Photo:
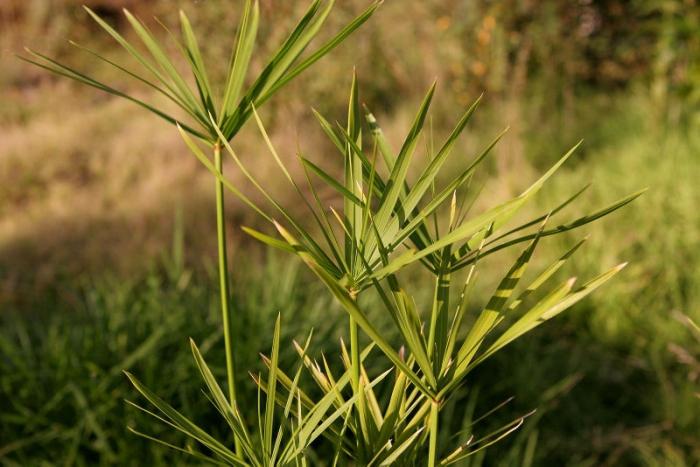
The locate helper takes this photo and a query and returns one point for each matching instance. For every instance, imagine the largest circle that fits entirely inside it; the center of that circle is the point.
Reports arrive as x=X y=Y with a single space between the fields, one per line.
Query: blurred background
x=106 y=221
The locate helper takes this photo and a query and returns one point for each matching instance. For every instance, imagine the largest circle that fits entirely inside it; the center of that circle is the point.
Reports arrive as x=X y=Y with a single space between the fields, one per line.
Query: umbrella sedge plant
x=387 y=224
x=212 y=119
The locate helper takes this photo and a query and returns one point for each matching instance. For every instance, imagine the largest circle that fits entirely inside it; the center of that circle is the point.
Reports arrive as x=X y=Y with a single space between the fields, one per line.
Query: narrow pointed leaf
x=247 y=32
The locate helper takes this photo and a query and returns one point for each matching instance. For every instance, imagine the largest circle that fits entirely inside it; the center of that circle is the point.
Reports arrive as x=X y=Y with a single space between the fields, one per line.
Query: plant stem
x=437 y=333
x=224 y=289
x=354 y=354
x=354 y=349
x=433 y=428
x=355 y=376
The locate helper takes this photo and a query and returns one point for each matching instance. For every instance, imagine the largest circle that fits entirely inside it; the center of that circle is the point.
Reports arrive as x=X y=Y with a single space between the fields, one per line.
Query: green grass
x=62 y=362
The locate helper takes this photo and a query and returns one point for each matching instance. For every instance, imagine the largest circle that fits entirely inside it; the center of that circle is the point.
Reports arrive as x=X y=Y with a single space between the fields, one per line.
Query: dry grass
x=79 y=171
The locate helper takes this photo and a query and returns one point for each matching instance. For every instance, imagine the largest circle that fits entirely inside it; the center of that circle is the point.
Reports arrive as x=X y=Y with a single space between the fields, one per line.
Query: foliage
x=382 y=213
x=216 y=121
x=370 y=310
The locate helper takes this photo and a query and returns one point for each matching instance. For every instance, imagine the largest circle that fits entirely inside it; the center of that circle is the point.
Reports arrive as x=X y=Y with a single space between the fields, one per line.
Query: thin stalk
x=354 y=348
x=355 y=374
x=433 y=433
x=355 y=370
x=437 y=334
x=354 y=354
x=224 y=284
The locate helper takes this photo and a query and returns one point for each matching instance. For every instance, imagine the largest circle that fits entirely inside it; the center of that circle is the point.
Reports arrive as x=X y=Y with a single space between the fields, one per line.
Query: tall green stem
x=355 y=374
x=433 y=433
x=437 y=333
x=224 y=283
x=354 y=354
x=354 y=350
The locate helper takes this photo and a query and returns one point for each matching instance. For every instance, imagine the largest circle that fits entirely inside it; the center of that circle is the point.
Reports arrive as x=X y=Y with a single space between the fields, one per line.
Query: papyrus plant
x=212 y=119
x=387 y=224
